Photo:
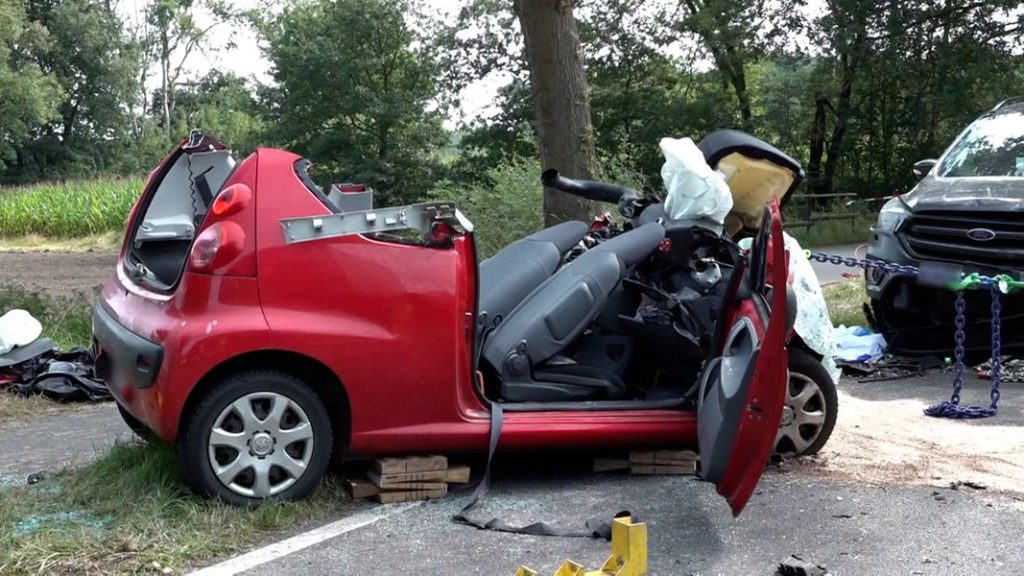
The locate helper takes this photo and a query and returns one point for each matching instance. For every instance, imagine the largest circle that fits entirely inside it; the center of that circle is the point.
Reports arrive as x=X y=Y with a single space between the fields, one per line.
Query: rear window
x=992 y=146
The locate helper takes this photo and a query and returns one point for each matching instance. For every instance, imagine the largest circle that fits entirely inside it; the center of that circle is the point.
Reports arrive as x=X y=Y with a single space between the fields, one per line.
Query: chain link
x=998 y=285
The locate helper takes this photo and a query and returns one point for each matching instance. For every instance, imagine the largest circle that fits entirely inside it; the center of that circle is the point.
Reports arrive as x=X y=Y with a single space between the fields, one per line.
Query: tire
x=257 y=435
x=811 y=397
x=140 y=429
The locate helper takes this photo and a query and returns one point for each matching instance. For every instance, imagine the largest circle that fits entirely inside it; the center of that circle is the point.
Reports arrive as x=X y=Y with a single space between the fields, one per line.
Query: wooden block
x=406 y=496
x=409 y=464
x=641 y=457
x=673 y=469
x=458 y=474
x=386 y=480
x=361 y=488
x=610 y=464
x=381 y=486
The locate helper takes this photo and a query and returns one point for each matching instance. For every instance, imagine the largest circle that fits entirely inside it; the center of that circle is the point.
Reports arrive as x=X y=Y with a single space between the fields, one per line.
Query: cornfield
x=68 y=210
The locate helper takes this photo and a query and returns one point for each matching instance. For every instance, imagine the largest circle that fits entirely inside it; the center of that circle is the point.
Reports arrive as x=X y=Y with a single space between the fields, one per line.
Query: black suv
x=965 y=215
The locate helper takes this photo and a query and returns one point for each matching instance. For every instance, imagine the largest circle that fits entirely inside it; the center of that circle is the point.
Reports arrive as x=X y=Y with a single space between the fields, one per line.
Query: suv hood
x=990 y=194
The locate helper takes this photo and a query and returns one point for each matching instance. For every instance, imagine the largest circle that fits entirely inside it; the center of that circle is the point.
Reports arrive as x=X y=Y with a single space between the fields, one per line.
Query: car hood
x=990 y=194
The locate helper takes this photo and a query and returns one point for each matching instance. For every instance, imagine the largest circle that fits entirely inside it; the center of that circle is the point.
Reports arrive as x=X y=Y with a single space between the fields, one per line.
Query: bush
x=504 y=206
x=68 y=210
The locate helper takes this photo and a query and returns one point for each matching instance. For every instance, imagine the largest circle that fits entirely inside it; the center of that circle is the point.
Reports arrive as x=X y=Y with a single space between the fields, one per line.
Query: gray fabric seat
x=510 y=275
x=556 y=314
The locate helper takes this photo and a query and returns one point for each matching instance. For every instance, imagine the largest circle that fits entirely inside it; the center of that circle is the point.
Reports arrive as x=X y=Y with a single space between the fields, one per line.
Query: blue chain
x=950 y=408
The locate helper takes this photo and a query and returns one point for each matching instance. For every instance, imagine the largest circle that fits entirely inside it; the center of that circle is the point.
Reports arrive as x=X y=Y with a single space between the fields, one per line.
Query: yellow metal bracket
x=628 y=557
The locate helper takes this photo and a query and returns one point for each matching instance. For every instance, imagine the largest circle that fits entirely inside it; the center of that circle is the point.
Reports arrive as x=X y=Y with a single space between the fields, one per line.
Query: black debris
x=797 y=566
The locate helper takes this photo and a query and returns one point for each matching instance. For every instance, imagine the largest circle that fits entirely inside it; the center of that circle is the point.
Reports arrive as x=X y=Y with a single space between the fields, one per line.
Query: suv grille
x=989 y=238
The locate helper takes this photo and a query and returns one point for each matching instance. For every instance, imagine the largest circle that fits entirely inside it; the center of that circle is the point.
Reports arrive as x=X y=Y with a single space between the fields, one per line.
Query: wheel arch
x=324 y=382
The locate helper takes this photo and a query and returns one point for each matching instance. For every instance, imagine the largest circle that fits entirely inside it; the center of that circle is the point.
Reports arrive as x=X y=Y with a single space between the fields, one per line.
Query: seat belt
x=594 y=528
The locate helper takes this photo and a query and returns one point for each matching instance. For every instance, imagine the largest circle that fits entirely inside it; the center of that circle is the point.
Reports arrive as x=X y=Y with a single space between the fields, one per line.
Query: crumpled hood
x=989 y=194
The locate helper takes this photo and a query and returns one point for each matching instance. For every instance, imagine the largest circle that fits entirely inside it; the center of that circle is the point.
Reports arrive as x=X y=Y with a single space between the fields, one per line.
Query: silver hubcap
x=260 y=444
x=803 y=416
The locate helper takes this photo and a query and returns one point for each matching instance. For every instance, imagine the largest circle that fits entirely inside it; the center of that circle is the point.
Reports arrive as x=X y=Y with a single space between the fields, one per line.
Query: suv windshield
x=992 y=146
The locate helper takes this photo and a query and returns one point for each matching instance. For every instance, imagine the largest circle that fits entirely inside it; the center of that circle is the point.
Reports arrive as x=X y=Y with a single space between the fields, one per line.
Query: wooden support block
x=361 y=488
x=386 y=466
x=457 y=474
x=662 y=456
x=405 y=478
x=409 y=495
x=641 y=457
x=689 y=469
x=610 y=464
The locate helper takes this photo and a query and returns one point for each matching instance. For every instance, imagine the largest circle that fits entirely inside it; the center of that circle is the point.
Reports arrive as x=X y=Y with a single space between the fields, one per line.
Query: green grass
x=67 y=320
x=845 y=301
x=130 y=512
x=68 y=210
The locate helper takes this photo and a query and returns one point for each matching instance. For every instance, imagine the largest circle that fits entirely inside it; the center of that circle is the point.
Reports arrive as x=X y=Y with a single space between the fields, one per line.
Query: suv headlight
x=893 y=212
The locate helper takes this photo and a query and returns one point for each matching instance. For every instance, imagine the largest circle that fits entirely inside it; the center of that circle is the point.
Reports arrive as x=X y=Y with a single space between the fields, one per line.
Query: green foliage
x=67 y=210
x=77 y=520
x=845 y=302
x=28 y=95
x=504 y=206
x=222 y=105
x=354 y=93
x=66 y=320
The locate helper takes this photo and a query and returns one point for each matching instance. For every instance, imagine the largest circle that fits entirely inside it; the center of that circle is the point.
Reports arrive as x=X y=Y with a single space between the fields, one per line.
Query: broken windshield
x=992 y=146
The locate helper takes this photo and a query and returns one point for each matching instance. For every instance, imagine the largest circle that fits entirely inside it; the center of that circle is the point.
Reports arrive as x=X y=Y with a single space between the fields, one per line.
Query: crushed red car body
x=263 y=329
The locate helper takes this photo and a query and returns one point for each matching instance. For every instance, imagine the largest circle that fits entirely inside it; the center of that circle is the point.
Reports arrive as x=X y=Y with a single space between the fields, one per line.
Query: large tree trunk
x=562 y=108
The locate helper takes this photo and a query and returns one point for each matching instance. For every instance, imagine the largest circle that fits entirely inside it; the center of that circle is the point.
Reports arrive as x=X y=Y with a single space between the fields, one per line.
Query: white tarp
x=695 y=190
x=18 y=328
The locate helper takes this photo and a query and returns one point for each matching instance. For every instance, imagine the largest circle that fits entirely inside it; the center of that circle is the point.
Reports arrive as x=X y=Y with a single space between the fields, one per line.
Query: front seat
x=556 y=314
x=511 y=274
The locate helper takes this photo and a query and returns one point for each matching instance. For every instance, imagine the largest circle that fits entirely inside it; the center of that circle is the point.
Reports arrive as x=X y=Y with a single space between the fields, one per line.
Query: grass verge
x=104 y=242
x=78 y=522
x=68 y=210
x=845 y=301
x=834 y=232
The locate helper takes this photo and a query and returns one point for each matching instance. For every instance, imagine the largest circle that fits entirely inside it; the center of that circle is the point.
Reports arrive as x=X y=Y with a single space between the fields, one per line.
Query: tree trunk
x=562 y=107
x=817 y=147
x=165 y=74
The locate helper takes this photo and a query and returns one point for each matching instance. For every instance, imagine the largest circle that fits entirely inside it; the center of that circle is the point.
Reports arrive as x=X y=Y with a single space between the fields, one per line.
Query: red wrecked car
x=264 y=325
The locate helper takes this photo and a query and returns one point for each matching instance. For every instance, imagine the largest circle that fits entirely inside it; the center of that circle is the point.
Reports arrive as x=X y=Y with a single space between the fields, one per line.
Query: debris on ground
x=37 y=521
x=889 y=367
x=404 y=479
x=648 y=462
x=1011 y=369
x=858 y=344
x=797 y=566
x=868 y=448
x=38 y=368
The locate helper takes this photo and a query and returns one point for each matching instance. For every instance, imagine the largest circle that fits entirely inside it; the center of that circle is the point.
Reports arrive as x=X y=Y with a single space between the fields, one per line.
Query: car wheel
x=809 y=414
x=140 y=429
x=257 y=435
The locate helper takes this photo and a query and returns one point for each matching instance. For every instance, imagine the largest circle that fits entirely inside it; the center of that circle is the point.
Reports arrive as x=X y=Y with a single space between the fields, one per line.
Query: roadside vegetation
x=72 y=209
x=845 y=301
x=77 y=521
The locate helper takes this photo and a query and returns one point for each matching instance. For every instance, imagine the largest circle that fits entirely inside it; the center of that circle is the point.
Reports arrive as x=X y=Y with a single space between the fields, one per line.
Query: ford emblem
x=981 y=234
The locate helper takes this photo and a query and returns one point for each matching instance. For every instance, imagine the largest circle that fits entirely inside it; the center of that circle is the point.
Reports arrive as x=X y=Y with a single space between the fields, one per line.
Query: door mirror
x=923 y=167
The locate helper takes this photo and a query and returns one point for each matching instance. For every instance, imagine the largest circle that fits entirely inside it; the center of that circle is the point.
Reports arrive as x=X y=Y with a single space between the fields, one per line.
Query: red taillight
x=231 y=200
x=216 y=246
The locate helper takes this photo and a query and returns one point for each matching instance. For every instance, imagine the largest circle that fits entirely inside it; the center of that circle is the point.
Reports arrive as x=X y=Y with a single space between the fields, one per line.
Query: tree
x=96 y=67
x=562 y=108
x=355 y=94
x=28 y=96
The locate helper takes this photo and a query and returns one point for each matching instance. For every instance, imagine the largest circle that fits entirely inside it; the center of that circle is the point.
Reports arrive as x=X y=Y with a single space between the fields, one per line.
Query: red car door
x=743 y=387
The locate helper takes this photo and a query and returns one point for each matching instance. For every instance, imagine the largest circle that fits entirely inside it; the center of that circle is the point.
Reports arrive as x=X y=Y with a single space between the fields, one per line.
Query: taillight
x=216 y=246
x=231 y=200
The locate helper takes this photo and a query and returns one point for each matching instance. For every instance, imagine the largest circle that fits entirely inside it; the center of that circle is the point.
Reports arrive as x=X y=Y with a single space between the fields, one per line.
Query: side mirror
x=923 y=167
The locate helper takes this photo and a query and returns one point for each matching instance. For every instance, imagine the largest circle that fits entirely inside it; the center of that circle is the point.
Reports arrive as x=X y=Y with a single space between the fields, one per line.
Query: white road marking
x=274 y=551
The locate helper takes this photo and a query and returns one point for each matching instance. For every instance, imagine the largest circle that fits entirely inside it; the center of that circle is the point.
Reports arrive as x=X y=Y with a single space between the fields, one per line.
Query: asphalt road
x=829 y=273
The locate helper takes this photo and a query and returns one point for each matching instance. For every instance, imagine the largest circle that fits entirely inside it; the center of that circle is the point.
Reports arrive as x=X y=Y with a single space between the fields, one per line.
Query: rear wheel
x=809 y=415
x=257 y=435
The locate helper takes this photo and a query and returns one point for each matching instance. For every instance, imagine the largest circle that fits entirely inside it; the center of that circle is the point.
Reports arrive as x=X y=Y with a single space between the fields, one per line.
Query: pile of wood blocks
x=678 y=462
x=405 y=479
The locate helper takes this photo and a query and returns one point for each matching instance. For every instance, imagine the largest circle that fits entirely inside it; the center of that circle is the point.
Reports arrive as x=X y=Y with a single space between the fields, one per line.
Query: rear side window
x=992 y=146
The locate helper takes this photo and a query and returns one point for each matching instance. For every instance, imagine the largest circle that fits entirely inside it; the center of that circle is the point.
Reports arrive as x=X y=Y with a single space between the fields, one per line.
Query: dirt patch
x=892 y=442
x=57 y=273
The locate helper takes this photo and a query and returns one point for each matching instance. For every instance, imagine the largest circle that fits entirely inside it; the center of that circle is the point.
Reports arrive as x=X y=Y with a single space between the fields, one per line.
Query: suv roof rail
x=1008 y=102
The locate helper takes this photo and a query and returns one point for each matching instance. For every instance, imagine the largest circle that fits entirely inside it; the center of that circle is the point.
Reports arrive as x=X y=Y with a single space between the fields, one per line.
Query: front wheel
x=257 y=435
x=809 y=415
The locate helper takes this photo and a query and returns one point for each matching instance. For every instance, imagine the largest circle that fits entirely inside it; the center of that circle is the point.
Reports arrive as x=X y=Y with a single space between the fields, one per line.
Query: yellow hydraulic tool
x=628 y=558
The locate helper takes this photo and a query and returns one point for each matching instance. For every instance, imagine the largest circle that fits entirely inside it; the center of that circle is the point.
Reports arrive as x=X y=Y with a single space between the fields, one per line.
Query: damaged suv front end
x=965 y=215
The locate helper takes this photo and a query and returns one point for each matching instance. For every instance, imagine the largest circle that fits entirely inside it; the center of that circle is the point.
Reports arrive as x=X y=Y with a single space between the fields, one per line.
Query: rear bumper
x=123 y=357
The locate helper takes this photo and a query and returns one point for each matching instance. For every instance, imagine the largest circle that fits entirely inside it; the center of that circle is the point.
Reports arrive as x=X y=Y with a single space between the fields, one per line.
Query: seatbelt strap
x=594 y=528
